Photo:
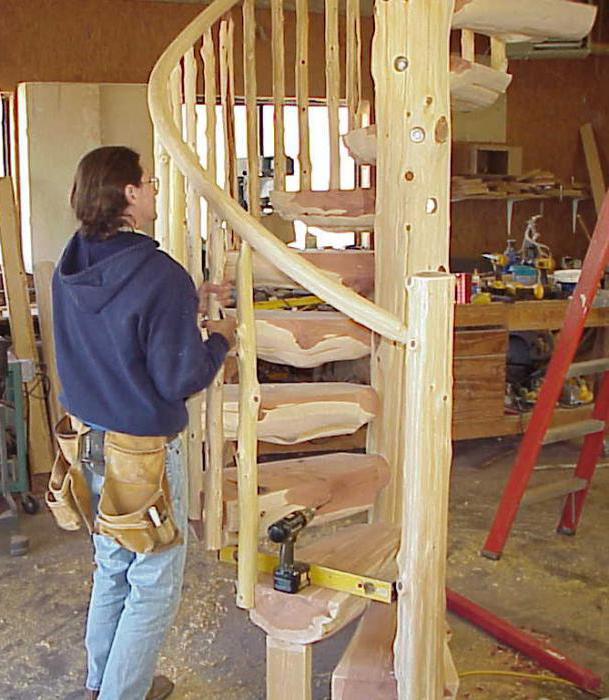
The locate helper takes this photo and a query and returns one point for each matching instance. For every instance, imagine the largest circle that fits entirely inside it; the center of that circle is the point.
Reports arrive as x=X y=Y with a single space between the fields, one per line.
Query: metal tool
x=343 y=581
x=290 y=576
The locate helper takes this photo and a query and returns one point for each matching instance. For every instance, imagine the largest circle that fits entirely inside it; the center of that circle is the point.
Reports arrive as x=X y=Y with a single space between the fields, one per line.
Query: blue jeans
x=134 y=600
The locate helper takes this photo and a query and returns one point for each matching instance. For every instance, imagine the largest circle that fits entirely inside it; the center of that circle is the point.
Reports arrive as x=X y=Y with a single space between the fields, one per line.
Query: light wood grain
x=316 y=613
x=421 y=630
x=412 y=194
x=278 y=58
x=43 y=276
x=40 y=450
x=302 y=91
x=522 y=20
x=333 y=89
x=215 y=261
x=593 y=163
x=288 y=670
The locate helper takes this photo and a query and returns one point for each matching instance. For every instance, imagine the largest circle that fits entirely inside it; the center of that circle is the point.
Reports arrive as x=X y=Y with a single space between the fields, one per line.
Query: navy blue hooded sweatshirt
x=129 y=351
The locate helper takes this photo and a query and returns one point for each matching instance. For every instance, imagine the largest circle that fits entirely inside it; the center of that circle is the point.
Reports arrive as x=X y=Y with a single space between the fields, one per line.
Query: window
x=319 y=149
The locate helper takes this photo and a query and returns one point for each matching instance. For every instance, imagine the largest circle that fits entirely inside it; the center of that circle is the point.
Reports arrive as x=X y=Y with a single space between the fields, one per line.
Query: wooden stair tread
x=339 y=484
x=522 y=20
x=309 y=338
x=316 y=613
x=333 y=210
x=573 y=430
x=595 y=366
x=544 y=492
x=354 y=268
x=332 y=408
x=366 y=669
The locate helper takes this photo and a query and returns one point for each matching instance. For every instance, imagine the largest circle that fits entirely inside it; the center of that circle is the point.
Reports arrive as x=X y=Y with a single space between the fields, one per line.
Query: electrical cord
x=528 y=676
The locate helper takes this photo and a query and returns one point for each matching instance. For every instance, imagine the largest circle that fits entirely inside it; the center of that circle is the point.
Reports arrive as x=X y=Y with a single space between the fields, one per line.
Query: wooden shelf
x=524 y=197
x=524 y=315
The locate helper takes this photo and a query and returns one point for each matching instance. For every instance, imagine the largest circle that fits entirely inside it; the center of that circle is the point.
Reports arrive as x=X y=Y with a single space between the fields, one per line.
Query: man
x=129 y=354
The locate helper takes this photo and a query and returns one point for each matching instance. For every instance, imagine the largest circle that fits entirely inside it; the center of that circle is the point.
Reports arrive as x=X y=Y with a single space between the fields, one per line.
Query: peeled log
x=523 y=20
x=309 y=338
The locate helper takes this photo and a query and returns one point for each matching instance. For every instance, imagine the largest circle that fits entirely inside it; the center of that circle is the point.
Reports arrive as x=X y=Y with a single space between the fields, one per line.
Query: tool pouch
x=68 y=496
x=135 y=505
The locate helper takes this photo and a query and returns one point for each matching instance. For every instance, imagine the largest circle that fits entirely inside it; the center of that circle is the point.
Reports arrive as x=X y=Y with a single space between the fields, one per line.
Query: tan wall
x=547 y=103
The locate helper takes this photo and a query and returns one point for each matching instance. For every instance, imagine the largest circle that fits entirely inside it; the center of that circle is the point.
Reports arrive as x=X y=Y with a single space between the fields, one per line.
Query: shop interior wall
x=100 y=41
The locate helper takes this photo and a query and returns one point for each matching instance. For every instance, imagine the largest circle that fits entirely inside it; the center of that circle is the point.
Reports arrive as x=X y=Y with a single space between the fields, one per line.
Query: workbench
x=480 y=353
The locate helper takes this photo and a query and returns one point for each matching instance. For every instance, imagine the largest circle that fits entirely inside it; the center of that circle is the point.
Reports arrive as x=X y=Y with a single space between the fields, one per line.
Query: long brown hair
x=98 y=194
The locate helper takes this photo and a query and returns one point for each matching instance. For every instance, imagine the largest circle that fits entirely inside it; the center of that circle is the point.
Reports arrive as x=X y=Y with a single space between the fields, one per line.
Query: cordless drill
x=290 y=576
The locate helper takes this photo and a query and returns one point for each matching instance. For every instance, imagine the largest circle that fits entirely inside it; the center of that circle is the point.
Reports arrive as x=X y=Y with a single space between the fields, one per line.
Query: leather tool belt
x=135 y=502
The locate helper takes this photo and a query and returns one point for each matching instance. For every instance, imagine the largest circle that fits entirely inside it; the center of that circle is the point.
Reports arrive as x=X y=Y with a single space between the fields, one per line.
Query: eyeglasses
x=154 y=181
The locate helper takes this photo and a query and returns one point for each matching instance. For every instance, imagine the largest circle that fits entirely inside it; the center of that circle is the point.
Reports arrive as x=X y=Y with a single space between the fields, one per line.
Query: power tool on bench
x=290 y=576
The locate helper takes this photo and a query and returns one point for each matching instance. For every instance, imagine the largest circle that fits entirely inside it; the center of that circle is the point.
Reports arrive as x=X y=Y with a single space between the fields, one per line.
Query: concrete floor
x=554 y=586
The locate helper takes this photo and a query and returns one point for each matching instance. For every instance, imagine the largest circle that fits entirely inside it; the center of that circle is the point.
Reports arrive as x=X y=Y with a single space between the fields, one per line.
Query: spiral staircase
x=401 y=481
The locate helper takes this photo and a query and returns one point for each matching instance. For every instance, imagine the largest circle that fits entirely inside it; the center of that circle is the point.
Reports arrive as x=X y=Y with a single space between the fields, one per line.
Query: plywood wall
x=59 y=123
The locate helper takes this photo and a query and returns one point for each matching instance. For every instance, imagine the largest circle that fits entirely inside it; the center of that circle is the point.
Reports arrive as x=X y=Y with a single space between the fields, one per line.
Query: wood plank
x=309 y=338
x=334 y=210
x=43 y=275
x=593 y=163
x=478 y=315
x=479 y=387
x=556 y=489
x=333 y=89
x=316 y=613
x=302 y=91
x=291 y=413
x=338 y=485
x=40 y=450
x=573 y=430
x=468 y=45
x=426 y=414
x=523 y=20
x=365 y=671
x=353 y=268
x=288 y=670
x=470 y=343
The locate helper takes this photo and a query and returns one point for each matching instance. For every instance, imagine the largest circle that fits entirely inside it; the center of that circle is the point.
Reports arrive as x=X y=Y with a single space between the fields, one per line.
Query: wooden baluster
x=161 y=171
x=216 y=260
x=249 y=390
x=468 y=45
x=498 y=55
x=177 y=201
x=227 y=100
x=354 y=63
x=194 y=435
x=333 y=89
x=302 y=91
x=278 y=49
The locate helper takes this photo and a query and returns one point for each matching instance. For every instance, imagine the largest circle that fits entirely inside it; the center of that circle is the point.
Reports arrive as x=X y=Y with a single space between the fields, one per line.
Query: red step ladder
x=539 y=433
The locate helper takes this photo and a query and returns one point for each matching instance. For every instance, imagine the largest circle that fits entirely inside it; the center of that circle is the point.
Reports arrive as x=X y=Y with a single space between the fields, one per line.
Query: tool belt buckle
x=92 y=455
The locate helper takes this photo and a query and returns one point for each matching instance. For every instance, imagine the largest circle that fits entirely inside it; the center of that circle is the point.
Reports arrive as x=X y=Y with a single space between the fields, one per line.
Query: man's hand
x=223 y=292
x=226 y=327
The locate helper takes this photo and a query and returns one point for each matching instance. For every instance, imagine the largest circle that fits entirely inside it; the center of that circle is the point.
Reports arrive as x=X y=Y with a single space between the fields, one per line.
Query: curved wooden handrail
x=243 y=224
